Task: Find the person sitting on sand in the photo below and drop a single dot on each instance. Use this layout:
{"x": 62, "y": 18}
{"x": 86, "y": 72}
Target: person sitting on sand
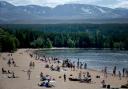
{"x": 42, "y": 77}
{"x": 58, "y": 68}
{"x": 3, "y": 71}
{"x": 103, "y": 83}
{"x": 52, "y": 68}
{"x": 80, "y": 75}
{"x": 12, "y": 76}
{"x": 125, "y": 85}
{"x": 89, "y": 78}
{"x": 46, "y": 66}
{"x": 9, "y": 72}
{"x": 46, "y": 84}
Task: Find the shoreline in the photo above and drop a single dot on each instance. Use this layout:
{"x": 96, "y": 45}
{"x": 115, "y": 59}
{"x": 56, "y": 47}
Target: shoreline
{"x": 100, "y": 49}
{"x": 22, "y": 58}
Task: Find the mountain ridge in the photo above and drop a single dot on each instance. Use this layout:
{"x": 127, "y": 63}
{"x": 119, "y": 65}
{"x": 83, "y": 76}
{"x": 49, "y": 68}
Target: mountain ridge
{"x": 10, "y": 13}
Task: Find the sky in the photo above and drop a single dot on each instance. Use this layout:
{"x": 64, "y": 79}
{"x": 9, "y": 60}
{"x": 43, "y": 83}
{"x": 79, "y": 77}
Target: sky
{"x": 53, "y": 3}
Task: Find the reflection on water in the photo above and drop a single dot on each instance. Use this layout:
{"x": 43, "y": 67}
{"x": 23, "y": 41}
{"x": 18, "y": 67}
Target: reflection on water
{"x": 97, "y": 59}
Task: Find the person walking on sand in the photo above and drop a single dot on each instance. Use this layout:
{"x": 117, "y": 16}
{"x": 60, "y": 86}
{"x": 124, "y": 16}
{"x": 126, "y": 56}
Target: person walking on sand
{"x": 29, "y": 74}
{"x": 64, "y": 77}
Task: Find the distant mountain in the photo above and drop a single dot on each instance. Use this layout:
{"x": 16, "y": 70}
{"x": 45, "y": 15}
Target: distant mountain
{"x": 61, "y": 13}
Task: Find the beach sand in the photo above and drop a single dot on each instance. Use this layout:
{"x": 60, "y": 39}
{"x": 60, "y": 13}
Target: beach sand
{"x": 22, "y": 59}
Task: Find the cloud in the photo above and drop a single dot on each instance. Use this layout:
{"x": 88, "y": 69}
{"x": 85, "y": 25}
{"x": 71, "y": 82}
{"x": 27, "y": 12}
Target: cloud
{"x": 122, "y": 4}
{"x": 53, "y": 3}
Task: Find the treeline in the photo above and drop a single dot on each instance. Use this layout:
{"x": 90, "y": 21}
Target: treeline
{"x": 113, "y": 37}
{"x": 8, "y": 42}
{"x": 99, "y": 40}
{"x": 105, "y": 28}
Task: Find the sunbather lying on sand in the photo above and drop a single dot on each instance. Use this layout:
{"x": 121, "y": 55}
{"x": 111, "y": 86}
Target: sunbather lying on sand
{"x": 46, "y": 83}
{"x": 125, "y": 85}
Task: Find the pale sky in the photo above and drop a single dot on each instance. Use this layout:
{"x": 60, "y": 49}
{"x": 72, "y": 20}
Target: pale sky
{"x": 53, "y": 3}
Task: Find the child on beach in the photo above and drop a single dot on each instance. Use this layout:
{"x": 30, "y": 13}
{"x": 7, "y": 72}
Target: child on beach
{"x": 64, "y": 77}
{"x": 29, "y": 74}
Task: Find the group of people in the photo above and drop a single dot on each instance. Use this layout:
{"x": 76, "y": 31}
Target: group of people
{"x": 82, "y": 77}
{"x": 114, "y": 72}
{"x": 57, "y": 68}
{"x": 46, "y": 80}
{"x": 5, "y": 71}
{"x": 11, "y": 74}
{"x": 73, "y": 65}
{"x": 10, "y": 63}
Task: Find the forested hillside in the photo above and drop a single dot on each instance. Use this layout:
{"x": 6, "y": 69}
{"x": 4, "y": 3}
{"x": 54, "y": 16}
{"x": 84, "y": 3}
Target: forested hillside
{"x": 113, "y": 36}
{"x": 8, "y": 42}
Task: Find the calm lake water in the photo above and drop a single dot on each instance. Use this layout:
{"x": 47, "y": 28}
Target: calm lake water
{"x": 96, "y": 59}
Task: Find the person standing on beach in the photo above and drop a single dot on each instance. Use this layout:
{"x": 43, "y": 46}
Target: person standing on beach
{"x": 126, "y": 73}
{"x": 119, "y": 75}
{"x": 114, "y": 71}
{"x": 123, "y": 71}
{"x": 78, "y": 63}
{"x": 14, "y": 63}
{"x": 85, "y": 65}
{"x": 74, "y": 66}
{"x": 33, "y": 64}
{"x": 105, "y": 72}
{"x": 30, "y": 64}
{"x": 64, "y": 77}
{"x": 9, "y": 63}
{"x": 81, "y": 65}
{"x": 29, "y": 74}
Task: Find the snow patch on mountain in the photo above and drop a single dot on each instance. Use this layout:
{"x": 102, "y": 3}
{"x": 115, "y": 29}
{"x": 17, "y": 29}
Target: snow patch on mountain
{"x": 101, "y": 10}
{"x": 86, "y": 10}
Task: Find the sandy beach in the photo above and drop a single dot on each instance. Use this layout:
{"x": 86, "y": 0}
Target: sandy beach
{"x": 22, "y": 59}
